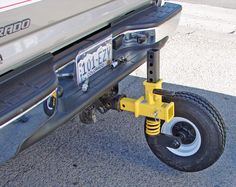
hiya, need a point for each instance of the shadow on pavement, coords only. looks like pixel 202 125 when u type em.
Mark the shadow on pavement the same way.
pixel 114 150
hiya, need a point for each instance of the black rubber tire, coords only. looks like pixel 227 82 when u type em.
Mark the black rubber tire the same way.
pixel 210 125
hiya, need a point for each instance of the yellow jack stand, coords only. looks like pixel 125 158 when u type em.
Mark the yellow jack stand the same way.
pixel 150 105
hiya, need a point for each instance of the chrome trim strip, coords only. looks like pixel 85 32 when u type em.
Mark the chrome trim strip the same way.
pixel 28 110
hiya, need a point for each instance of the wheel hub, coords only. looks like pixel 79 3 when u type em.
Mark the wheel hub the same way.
pixel 184 131
pixel 187 132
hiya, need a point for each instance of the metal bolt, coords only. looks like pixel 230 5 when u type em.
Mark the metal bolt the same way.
pixel 114 63
pixel 85 86
pixel 176 144
pixel 155 114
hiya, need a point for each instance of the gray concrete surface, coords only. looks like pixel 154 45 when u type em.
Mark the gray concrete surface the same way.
pixel 201 58
pixel 220 3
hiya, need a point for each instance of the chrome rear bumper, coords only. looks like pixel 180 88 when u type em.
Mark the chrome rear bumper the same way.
pixel 132 35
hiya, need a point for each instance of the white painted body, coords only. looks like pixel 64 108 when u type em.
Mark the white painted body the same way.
pixel 54 24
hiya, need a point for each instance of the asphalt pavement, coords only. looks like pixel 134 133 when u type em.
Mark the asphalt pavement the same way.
pixel 201 58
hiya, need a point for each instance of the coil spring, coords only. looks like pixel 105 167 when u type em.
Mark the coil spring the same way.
pixel 153 127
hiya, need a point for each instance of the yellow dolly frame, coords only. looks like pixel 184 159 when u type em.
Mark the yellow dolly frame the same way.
pixel 182 129
pixel 151 105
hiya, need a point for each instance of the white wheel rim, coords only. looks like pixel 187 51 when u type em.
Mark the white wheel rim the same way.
pixel 185 149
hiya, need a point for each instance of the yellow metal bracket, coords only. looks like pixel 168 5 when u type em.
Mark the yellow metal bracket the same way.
pixel 150 105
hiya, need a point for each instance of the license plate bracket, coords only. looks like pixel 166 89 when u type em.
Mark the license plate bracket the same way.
pixel 92 59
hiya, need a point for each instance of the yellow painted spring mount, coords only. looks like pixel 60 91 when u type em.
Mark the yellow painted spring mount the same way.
pixel 150 106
